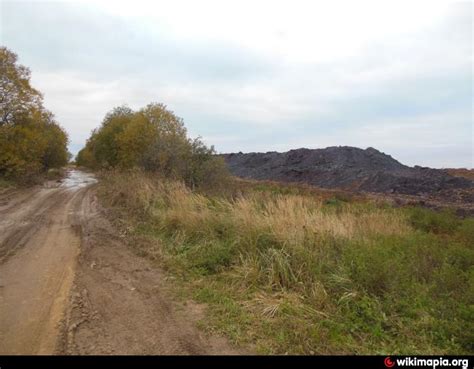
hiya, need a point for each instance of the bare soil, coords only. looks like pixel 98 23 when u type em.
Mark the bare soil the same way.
pixel 70 285
pixel 368 172
pixel 350 168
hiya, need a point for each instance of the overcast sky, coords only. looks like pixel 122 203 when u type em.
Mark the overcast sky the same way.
pixel 261 75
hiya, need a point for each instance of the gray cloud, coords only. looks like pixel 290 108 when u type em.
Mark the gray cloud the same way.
pixel 409 94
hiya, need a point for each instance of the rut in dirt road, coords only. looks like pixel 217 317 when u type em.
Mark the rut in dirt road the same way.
pixel 38 251
pixel 69 285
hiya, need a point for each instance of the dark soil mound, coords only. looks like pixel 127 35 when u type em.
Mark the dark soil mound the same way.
pixel 344 167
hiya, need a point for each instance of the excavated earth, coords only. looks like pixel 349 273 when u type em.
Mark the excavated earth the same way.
pixel 354 169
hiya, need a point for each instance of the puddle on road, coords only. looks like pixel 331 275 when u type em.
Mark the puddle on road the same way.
pixel 76 179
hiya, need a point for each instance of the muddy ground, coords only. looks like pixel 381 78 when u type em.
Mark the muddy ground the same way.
pixel 69 285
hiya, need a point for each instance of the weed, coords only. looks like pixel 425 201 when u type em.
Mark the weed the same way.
pixel 291 271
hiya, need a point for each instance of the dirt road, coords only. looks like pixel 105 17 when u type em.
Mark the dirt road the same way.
pixel 68 284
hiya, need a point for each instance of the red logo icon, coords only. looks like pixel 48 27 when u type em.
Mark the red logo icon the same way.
pixel 388 362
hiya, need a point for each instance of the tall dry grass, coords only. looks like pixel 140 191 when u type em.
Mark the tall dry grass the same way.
pixel 326 275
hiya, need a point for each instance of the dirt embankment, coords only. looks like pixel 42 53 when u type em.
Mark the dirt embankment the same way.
pixel 461 172
pixel 68 284
pixel 353 169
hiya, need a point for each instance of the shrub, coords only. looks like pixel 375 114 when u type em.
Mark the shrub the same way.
pixel 465 231
pixel 155 140
pixel 212 256
pixel 434 221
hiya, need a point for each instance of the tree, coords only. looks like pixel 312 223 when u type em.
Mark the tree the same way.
pixel 17 97
pixel 154 139
pixel 167 153
pixel 104 141
pixel 31 141
pixel 135 139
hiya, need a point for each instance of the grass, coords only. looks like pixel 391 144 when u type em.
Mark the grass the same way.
pixel 31 179
pixel 4 183
pixel 306 272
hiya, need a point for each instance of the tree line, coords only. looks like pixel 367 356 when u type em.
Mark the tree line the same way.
pixel 31 141
pixel 153 139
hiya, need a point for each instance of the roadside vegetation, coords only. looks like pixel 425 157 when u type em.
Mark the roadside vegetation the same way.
pixel 285 269
pixel 294 271
pixel 31 142
pixel 155 140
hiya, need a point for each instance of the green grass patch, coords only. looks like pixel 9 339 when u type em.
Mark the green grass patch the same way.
pixel 4 183
pixel 301 274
